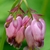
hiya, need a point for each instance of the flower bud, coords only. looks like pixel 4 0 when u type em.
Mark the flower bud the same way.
pixel 8 21
pixel 25 20
pixel 38 30
pixel 10 30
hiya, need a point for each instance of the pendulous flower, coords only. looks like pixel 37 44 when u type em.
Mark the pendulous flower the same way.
pixel 38 30
pixel 34 33
pixel 30 27
pixel 15 30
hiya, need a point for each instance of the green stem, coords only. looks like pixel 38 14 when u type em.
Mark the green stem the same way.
pixel 18 9
pixel 27 7
pixel 15 3
pixel 21 2
pixel 3 40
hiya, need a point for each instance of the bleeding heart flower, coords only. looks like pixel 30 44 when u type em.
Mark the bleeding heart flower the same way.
pixel 14 30
pixel 38 30
pixel 32 30
pixel 14 26
pixel 23 27
pixel 10 30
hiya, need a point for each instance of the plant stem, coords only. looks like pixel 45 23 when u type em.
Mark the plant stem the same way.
pixel 27 7
pixel 3 40
pixel 21 2
pixel 14 4
pixel 16 1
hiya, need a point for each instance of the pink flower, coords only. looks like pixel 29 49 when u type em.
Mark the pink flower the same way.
pixel 38 30
pixel 13 27
pixel 32 30
pixel 34 33
pixel 10 30
pixel 15 30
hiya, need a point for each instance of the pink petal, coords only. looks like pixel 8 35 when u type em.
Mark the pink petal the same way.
pixel 43 26
pixel 19 22
pixel 29 23
pixel 15 24
pixel 29 36
pixel 10 18
pixel 36 16
pixel 10 30
pixel 20 36
pixel 36 30
pixel 25 20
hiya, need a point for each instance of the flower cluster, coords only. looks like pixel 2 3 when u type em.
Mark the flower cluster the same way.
pixel 31 29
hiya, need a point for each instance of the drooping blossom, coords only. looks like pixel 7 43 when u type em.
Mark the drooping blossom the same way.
pixel 32 30
pixel 34 33
pixel 15 30
pixel 38 30
pixel 19 27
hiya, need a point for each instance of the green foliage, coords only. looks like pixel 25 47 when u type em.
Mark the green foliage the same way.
pixel 39 6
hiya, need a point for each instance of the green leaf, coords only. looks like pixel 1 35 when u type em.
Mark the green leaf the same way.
pixel 3 40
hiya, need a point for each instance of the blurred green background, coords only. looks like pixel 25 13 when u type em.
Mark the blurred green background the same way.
pixel 41 6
